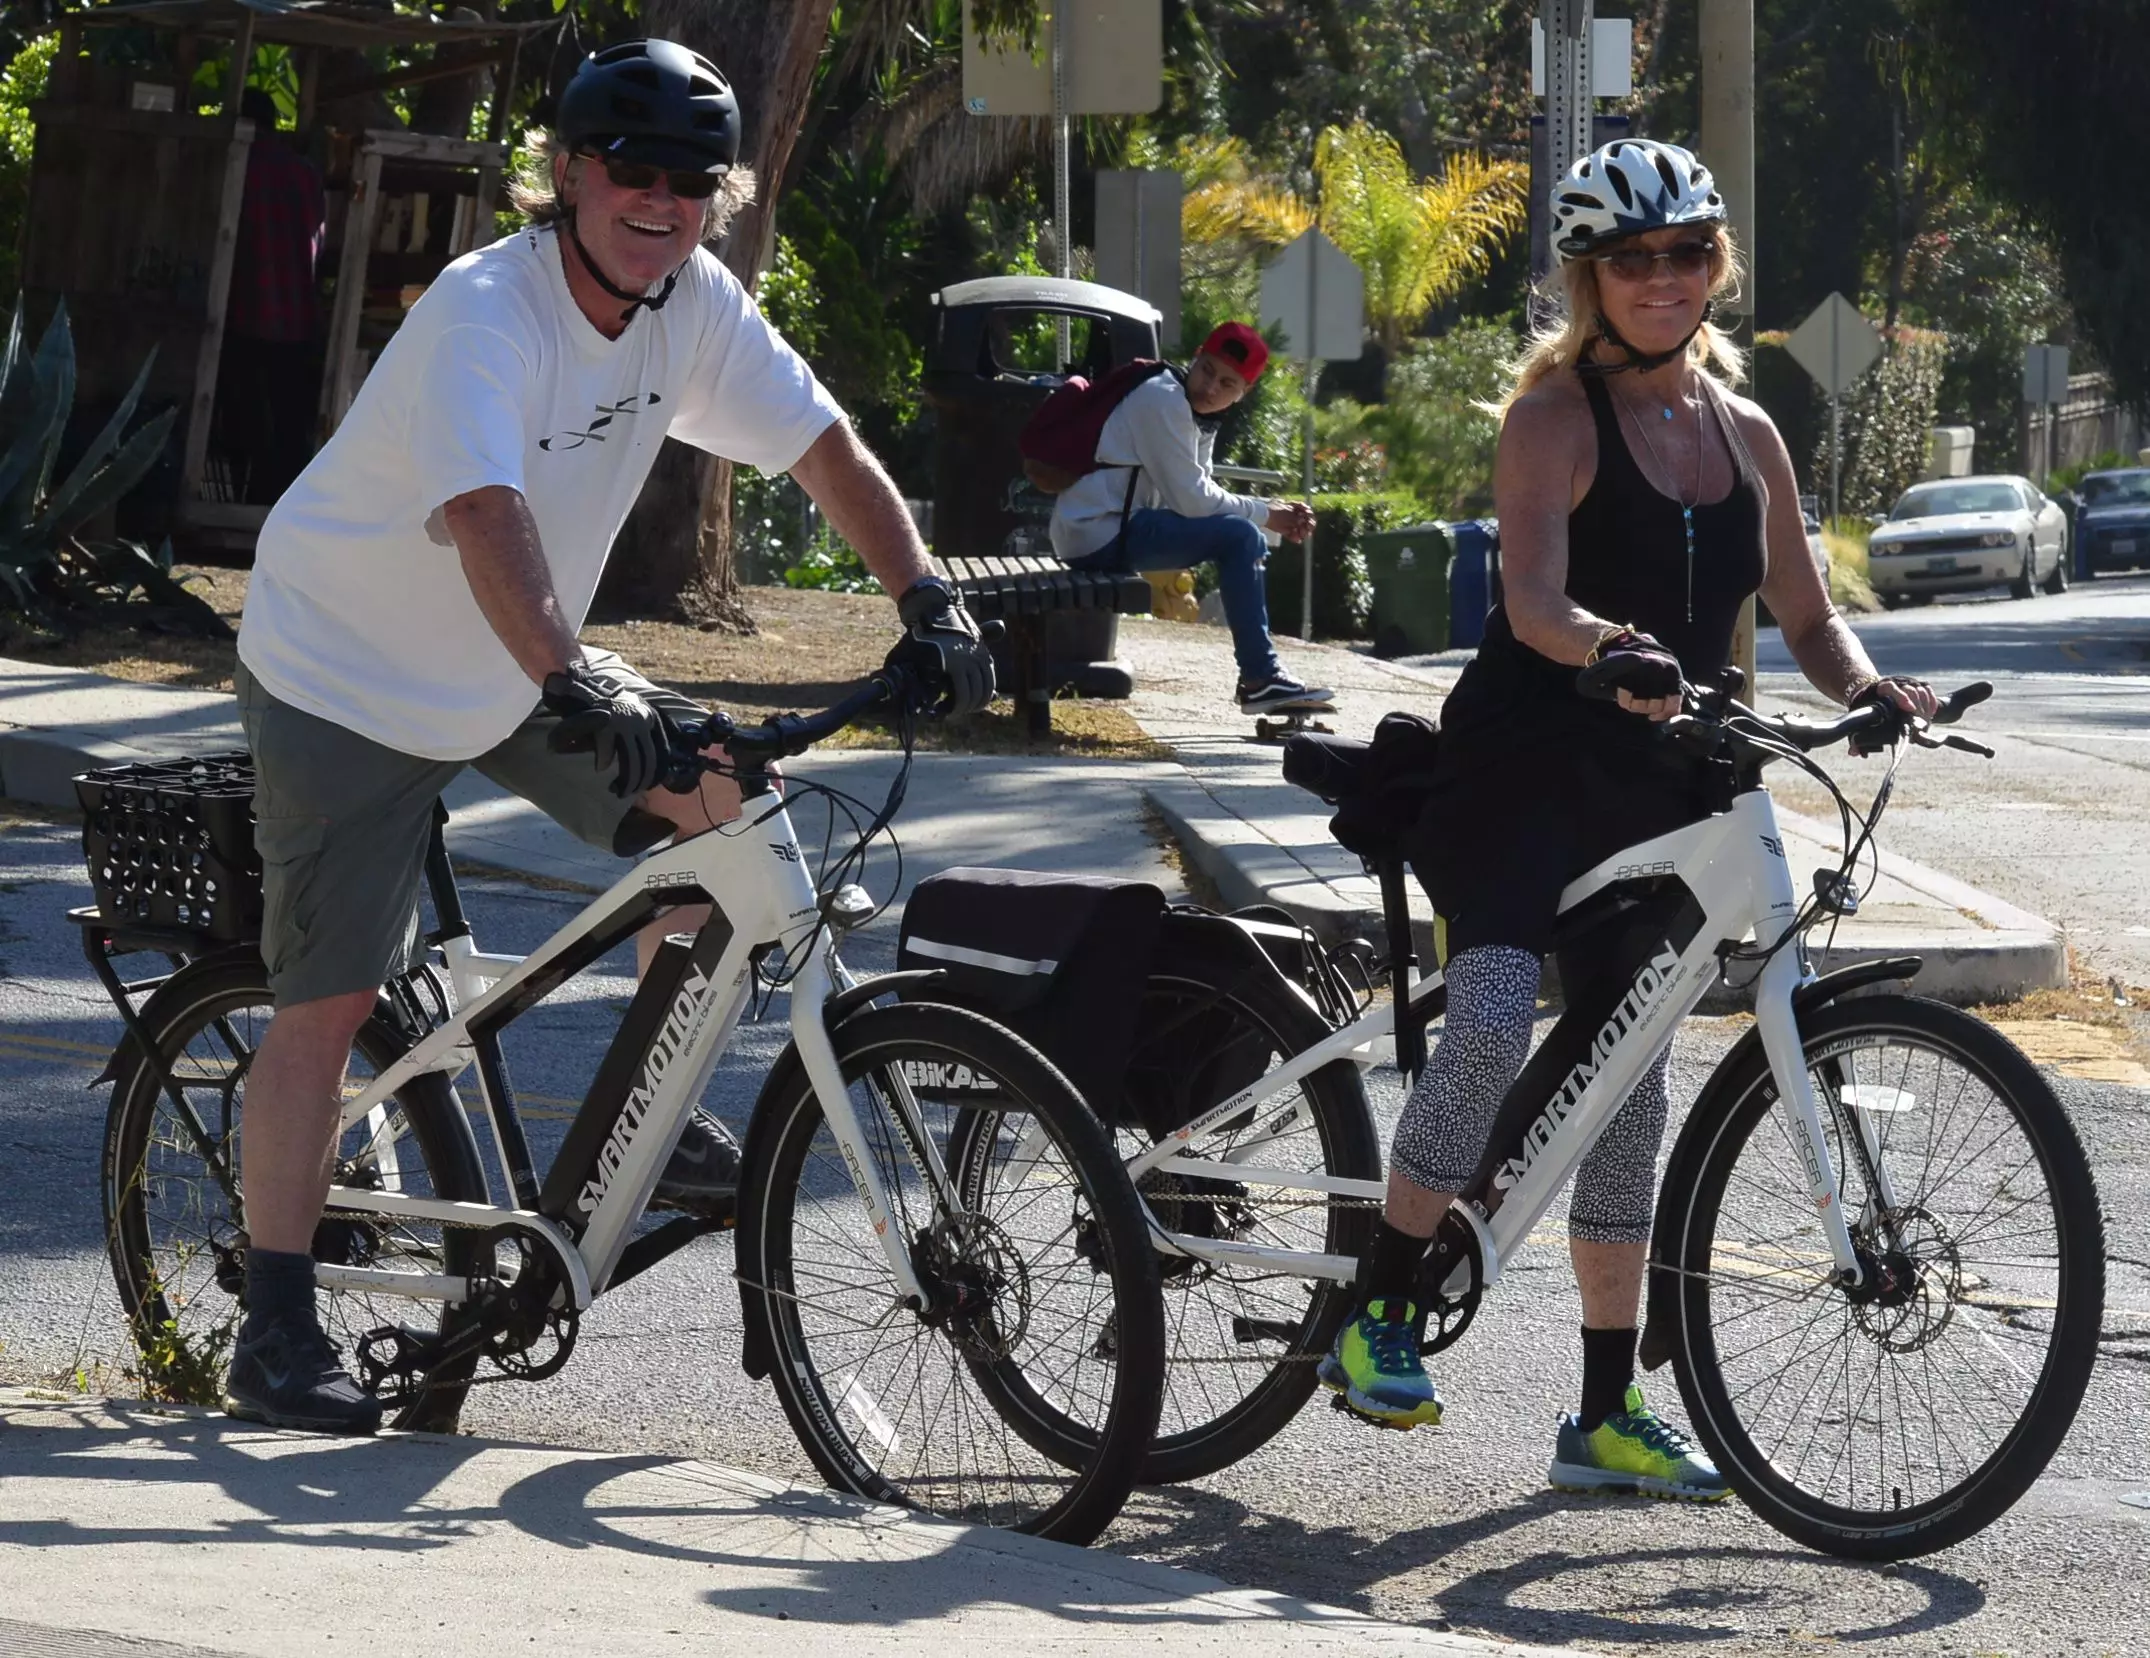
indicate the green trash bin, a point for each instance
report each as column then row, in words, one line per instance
column 1409, row 571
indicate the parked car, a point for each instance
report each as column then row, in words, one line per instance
column 1957, row 535
column 2112, row 521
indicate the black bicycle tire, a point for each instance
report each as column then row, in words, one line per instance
column 1352, row 1151
column 183, row 1006
column 1702, row 1165
column 1108, row 1470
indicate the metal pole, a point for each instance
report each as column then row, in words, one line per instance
column 1567, row 83
column 1306, row 442
column 1306, row 547
column 1836, row 500
column 1063, row 254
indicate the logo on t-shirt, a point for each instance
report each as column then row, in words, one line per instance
column 601, row 417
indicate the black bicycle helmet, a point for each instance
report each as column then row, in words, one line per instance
column 653, row 101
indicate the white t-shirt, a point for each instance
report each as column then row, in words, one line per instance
column 358, row 610
column 1152, row 427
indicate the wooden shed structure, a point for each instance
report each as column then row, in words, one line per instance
column 135, row 201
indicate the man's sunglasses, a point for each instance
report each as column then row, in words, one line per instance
column 1640, row 264
column 643, row 175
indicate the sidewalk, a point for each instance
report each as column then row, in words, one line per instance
column 129, row 1531
column 959, row 809
column 1261, row 840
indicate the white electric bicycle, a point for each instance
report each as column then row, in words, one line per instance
column 909, row 1303
column 1878, row 1260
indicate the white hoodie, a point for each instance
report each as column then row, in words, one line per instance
column 1152, row 428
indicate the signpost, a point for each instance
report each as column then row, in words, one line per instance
column 2045, row 387
column 1836, row 345
column 1094, row 57
column 1138, row 240
column 1315, row 296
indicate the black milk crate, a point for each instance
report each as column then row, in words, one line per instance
column 171, row 844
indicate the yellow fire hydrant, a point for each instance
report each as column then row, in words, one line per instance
column 1172, row 595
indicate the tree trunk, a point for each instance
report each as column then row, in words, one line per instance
column 675, row 553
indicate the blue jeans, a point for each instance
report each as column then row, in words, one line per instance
column 1157, row 539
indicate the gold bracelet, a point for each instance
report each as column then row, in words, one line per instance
column 1606, row 635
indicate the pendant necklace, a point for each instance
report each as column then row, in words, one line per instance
column 1687, row 507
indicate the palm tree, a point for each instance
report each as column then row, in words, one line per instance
column 1418, row 242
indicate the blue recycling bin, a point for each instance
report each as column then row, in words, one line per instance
column 1473, row 579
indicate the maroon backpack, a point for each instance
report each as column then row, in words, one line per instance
column 1059, row 442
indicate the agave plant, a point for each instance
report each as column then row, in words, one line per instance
column 43, row 565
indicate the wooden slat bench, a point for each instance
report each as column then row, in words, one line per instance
column 1021, row 593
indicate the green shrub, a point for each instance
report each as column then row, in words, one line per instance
column 1844, row 541
column 1343, row 595
column 1886, row 421
column 1437, row 442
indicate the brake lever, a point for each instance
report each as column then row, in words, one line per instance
column 1967, row 746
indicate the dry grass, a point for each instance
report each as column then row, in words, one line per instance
column 2082, row 1030
column 1845, row 542
column 812, row 649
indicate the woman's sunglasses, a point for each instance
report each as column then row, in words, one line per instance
column 643, row 175
column 1640, row 264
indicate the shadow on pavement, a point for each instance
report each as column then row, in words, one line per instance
column 1605, row 1600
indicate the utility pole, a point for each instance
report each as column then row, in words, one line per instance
column 1728, row 151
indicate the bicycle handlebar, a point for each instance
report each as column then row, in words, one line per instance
column 752, row 748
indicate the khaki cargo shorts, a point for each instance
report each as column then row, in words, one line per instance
column 342, row 825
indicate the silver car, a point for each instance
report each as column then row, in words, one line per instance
column 1957, row 535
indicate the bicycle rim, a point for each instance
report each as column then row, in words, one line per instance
column 1039, row 1272
column 1904, row 1414
column 178, row 1246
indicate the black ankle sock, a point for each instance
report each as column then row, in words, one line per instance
column 1392, row 1269
column 1608, row 1372
column 279, row 1287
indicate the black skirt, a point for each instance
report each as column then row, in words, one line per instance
column 1534, row 786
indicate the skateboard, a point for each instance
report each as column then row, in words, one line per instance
column 1273, row 725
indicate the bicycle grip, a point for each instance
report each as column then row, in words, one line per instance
column 1958, row 703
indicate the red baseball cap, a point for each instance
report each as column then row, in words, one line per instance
column 1240, row 347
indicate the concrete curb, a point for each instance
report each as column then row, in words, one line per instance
column 2006, row 953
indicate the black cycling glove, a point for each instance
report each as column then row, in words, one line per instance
column 942, row 648
column 1630, row 660
column 1872, row 695
column 616, row 718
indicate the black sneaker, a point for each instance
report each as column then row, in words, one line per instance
column 289, row 1375
column 703, row 1176
column 1280, row 692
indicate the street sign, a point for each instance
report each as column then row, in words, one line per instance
column 1612, row 57
column 1835, row 344
column 2045, row 374
column 1138, row 240
column 1315, row 295
column 1114, row 62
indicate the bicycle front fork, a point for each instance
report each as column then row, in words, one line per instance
column 1786, row 1052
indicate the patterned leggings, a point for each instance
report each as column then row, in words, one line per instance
column 1492, row 996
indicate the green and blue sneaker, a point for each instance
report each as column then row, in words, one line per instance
column 1635, row 1452
column 1375, row 1366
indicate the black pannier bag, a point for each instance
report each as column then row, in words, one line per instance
column 1060, row 960
column 1380, row 789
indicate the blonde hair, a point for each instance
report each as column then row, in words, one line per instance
column 1566, row 341
column 532, row 193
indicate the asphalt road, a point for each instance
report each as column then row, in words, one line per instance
column 2055, row 822
column 1450, row 1526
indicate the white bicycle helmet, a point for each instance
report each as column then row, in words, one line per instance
column 1627, row 187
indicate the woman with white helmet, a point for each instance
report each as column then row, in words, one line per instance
column 1641, row 504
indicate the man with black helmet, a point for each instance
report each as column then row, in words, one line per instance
column 418, row 591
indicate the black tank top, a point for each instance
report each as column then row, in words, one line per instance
column 1627, row 562
column 1627, row 546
